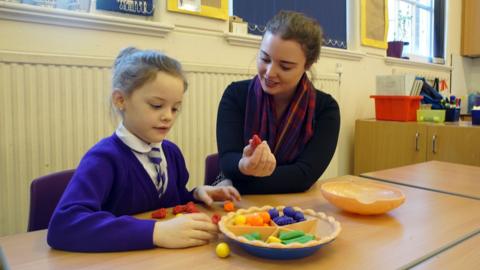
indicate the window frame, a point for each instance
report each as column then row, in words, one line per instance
column 417, row 6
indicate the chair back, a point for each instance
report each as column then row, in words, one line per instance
column 212, row 169
column 45, row 192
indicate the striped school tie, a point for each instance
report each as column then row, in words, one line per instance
column 155, row 157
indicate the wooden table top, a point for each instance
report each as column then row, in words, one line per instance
column 425, row 224
column 456, row 179
column 465, row 255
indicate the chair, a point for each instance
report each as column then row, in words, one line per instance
column 212, row 169
column 45, row 192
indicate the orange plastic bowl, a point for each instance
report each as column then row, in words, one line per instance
column 362, row 196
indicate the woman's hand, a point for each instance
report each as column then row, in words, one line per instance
column 185, row 231
column 209, row 194
column 258, row 161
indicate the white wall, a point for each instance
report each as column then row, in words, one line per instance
column 474, row 82
column 201, row 41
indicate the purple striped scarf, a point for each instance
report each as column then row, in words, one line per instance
column 288, row 135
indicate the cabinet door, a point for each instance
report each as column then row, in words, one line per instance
column 470, row 28
column 457, row 144
column 383, row 144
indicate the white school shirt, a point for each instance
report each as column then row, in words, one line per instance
column 140, row 149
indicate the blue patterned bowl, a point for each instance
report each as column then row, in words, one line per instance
column 325, row 229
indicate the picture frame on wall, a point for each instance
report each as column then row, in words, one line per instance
column 217, row 9
column 374, row 23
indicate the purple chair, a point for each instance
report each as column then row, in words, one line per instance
column 212, row 169
column 45, row 192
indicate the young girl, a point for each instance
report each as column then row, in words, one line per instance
column 135, row 170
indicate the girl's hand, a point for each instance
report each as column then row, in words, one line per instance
column 258, row 162
column 185, row 231
column 209, row 194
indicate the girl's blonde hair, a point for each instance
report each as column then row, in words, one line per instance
column 133, row 68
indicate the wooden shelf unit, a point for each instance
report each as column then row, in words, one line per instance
column 470, row 28
column 387, row 144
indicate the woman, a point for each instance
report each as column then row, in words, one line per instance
column 299, row 124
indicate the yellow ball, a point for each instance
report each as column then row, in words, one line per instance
column 222, row 250
column 240, row 220
column 179, row 214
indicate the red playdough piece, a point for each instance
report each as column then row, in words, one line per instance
column 160, row 213
column 190, row 207
column 256, row 141
column 178, row 209
column 216, row 218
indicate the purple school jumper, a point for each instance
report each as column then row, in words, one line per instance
column 109, row 185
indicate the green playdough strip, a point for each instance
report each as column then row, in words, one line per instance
column 291, row 234
column 252, row 236
column 302, row 239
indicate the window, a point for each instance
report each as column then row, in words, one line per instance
column 331, row 14
column 412, row 21
column 421, row 24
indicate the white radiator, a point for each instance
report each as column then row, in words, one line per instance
column 53, row 108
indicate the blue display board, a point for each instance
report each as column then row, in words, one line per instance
column 137, row 7
column 331, row 14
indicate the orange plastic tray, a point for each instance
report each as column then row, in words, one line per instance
column 362, row 196
column 397, row 108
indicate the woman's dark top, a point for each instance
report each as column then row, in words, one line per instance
column 297, row 176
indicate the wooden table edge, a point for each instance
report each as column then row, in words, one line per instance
column 438, row 251
column 420, row 187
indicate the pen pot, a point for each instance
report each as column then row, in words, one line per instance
column 452, row 115
column 475, row 117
